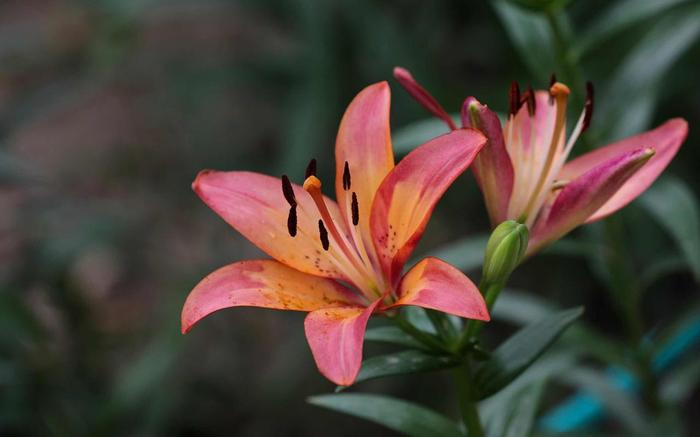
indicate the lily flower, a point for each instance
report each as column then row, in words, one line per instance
column 341, row 262
column 523, row 172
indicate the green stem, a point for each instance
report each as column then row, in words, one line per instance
column 627, row 293
column 467, row 402
column 473, row 328
column 427, row 339
column 442, row 325
column 623, row 281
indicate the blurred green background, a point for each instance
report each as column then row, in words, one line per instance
column 109, row 108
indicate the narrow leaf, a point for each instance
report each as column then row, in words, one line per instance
column 517, row 353
column 392, row 334
column 396, row 414
column 523, row 411
column 522, row 308
column 492, row 409
column 673, row 205
column 631, row 93
column 530, row 35
column 404, row 362
column 619, row 16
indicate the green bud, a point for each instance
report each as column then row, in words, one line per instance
column 504, row 251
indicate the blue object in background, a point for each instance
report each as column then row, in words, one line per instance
column 584, row 410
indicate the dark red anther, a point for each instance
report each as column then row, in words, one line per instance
column 346, row 177
column 355, row 207
column 588, row 107
column 310, row 169
column 531, row 101
column 552, row 81
column 323, row 233
column 514, row 97
column 292, row 221
column 288, row 191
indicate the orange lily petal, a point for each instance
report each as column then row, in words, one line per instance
column 335, row 336
column 665, row 140
column 409, row 193
column 364, row 142
column 583, row 196
column 254, row 205
column 261, row 283
column 432, row 283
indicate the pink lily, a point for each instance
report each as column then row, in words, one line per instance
column 523, row 172
column 342, row 262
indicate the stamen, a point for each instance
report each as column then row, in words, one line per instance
column 514, row 97
column 588, row 106
column 312, row 185
column 323, row 233
column 288, row 191
column 529, row 98
column 292, row 221
column 552, row 81
column 558, row 185
column 346, row 177
column 310, row 169
column 355, row 210
column 560, row 92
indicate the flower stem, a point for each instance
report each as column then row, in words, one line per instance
column 473, row 327
column 427, row 339
column 467, row 402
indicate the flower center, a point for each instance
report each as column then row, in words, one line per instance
column 344, row 246
column 560, row 93
column 537, row 166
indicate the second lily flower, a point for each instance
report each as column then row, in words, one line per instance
column 523, row 173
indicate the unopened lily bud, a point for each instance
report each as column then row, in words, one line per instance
column 504, row 251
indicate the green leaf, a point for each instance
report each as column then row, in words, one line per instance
column 396, row 414
column 618, row 17
column 419, row 318
column 465, row 254
column 659, row 268
column 541, row 5
column 517, row 353
column 531, row 36
column 522, row 411
column 516, row 414
column 521, row 308
column 673, row 205
column 392, row 334
column 631, row 92
column 414, row 134
column 404, row 362
column 492, row 410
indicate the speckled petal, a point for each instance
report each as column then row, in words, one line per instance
column 262, row 283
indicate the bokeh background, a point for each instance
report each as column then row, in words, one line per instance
column 109, row 108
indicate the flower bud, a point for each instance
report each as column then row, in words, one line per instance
column 504, row 251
